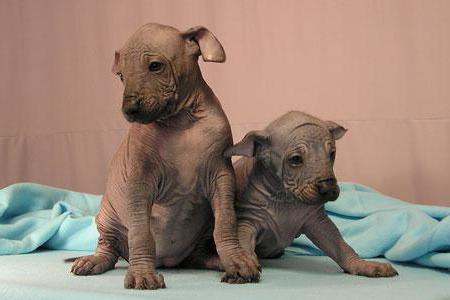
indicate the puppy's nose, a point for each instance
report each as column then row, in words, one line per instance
column 328, row 189
column 131, row 106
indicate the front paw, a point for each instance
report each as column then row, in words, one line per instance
column 143, row 280
column 241, row 267
column 372, row 269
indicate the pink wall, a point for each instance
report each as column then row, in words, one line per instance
column 381, row 68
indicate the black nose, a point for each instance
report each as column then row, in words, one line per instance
column 328, row 189
column 131, row 106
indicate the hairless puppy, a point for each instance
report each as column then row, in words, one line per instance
column 170, row 190
column 282, row 187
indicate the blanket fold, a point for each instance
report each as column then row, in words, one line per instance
column 33, row 215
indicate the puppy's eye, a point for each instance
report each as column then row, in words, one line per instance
column 333, row 155
column 120, row 76
column 296, row 160
column 155, row 66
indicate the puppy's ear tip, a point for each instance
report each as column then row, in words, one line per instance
column 214, row 57
column 115, row 67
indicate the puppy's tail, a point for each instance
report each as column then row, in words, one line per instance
column 71, row 260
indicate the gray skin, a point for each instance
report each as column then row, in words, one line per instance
column 170, row 191
column 282, row 185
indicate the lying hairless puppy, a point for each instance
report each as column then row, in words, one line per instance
column 283, row 185
column 170, row 190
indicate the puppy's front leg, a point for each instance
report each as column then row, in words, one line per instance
column 325, row 235
column 141, row 272
column 247, row 237
column 239, row 265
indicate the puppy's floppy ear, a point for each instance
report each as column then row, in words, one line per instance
column 209, row 45
column 253, row 142
column 115, row 67
column 336, row 130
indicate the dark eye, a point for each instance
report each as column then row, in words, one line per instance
column 120, row 76
column 296, row 160
column 155, row 66
column 333, row 155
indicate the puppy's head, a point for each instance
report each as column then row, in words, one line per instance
column 299, row 150
column 158, row 67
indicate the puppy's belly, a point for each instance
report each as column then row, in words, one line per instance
column 178, row 228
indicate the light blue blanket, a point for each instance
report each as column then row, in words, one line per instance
column 33, row 215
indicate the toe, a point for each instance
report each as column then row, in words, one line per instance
column 255, row 278
column 77, row 268
column 227, row 278
column 83, row 267
column 150, row 282
column 97, row 269
column 390, row 271
column 231, row 280
column 160, row 280
column 129, row 282
column 240, row 280
column 139, row 283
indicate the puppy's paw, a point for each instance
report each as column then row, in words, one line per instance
column 91, row 265
column 143, row 280
column 241, row 267
column 372, row 269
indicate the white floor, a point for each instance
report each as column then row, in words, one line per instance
column 44, row 275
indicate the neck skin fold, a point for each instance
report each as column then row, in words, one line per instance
column 267, row 182
column 188, row 108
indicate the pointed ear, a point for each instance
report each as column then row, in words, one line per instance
column 209, row 46
column 115, row 67
column 336, row 130
column 249, row 145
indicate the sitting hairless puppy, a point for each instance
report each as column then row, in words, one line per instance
column 282, row 186
column 170, row 190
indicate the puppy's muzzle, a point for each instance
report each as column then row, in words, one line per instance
column 328, row 189
column 131, row 108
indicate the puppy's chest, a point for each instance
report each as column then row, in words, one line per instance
column 285, row 221
column 186, row 157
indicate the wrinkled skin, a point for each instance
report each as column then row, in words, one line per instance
column 170, row 192
column 282, row 186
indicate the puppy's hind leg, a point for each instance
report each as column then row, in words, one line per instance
column 108, row 248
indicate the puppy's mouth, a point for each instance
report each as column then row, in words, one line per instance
column 140, row 118
column 137, row 112
column 145, row 111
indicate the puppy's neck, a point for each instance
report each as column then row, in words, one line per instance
column 185, row 113
column 189, row 109
column 269, row 184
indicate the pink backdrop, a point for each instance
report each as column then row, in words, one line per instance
column 381, row 68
